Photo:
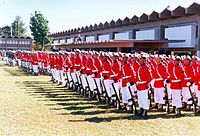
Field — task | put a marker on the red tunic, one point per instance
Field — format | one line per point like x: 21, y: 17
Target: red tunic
x: 159, y: 74
x: 143, y: 78
x: 126, y: 74
x: 176, y: 78
x: 188, y: 75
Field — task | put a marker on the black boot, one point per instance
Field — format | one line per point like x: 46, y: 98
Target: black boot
x: 198, y: 110
x: 173, y: 110
x: 140, y: 112
x: 144, y: 115
x: 178, y: 112
x: 124, y: 107
x: 184, y: 106
x: 160, y: 107
x: 155, y: 106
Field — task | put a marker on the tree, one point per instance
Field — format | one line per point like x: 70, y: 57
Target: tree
x: 5, y: 31
x: 18, y: 27
x: 39, y: 29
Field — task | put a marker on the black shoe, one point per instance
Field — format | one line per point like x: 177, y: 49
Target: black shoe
x: 124, y: 107
x: 144, y: 115
x: 178, y: 112
x: 155, y: 106
x: 140, y: 112
x: 184, y: 106
x: 173, y: 110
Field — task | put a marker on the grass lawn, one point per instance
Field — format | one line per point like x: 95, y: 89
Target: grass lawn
x: 31, y: 105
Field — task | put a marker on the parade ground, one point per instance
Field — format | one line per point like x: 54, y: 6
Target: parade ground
x: 32, y: 105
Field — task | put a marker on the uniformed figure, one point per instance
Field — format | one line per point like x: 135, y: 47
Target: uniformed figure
x: 143, y: 83
x: 176, y: 79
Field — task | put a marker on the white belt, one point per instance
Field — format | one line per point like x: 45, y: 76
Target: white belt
x: 94, y: 70
x: 126, y: 77
x: 105, y: 71
x: 187, y: 78
x: 141, y: 82
x: 158, y: 79
x: 88, y: 69
x: 176, y: 80
x: 77, y: 65
x: 113, y: 75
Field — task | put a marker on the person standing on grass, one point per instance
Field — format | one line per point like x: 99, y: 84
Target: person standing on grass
x: 143, y: 83
x: 176, y: 79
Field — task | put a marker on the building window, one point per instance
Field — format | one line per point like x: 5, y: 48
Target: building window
x: 145, y: 34
x: 122, y: 36
x: 187, y: 33
x: 89, y: 38
x: 104, y: 37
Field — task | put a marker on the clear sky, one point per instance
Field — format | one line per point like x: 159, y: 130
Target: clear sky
x: 68, y: 14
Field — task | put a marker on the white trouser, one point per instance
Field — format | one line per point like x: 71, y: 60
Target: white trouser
x: 78, y: 76
x: 117, y: 88
x: 186, y: 95
x: 53, y: 73
x: 35, y: 68
x: 30, y: 65
x: 19, y: 62
x: 14, y: 62
x: 74, y: 77
x: 108, y: 87
x: 125, y: 95
x: 40, y: 65
x: 143, y: 99
x: 98, y: 85
x: 169, y: 92
x: 60, y: 75
x: 83, y: 80
x: 176, y: 98
x: 198, y: 97
x: 69, y: 76
x: 57, y: 75
x: 91, y: 82
x: 159, y: 95
x: 26, y: 64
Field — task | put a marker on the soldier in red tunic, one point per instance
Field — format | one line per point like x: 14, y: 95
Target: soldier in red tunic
x: 159, y: 76
x: 143, y: 82
x: 188, y: 78
x: 176, y: 79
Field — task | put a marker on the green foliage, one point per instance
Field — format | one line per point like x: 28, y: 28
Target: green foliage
x: 5, y: 31
x: 18, y: 27
x: 39, y: 29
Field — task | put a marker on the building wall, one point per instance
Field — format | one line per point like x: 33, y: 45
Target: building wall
x: 15, y: 43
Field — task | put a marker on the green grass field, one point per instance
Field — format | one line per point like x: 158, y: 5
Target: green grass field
x: 31, y: 105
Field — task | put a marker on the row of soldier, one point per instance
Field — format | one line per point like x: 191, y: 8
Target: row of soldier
x: 131, y: 79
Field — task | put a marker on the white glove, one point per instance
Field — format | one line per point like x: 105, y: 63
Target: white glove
x: 188, y: 84
x: 128, y: 84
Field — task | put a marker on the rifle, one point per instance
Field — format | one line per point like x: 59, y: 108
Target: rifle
x: 133, y: 101
x: 97, y: 89
x: 107, y: 99
x: 117, y: 97
x: 149, y: 95
x: 167, y: 100
x: 193, y: 100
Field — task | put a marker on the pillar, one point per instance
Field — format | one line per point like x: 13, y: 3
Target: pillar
x: 96, y: 37
x: 132, y: 34
x: 160, y: 33
x: 84, y: 38
x: 198, y: 39
x: 112, y: 36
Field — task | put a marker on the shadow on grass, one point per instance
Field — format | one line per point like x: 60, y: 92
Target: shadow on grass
x: 79, y: 105
x: 16, y: 72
